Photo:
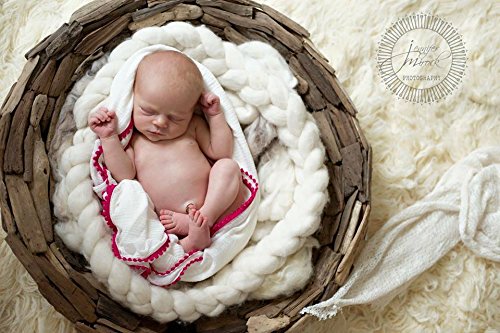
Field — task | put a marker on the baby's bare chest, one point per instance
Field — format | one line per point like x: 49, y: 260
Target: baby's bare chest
x: 169, y: 161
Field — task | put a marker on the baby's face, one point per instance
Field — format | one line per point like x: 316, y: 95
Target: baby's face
x: 162, y: 118
x: 166, y: 91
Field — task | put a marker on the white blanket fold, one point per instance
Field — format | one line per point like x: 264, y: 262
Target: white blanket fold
x: 139, y: 239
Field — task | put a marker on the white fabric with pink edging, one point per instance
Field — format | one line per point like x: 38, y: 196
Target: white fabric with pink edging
x: 138, y: 237
x: 293, y: 182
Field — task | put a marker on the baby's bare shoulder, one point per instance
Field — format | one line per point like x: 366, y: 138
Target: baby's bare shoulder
x: 198, y: 122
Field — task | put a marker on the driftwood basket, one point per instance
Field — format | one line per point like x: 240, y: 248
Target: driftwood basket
x: 28, y: 123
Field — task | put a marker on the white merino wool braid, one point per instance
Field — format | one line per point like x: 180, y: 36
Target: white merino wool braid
x: 259, y: 84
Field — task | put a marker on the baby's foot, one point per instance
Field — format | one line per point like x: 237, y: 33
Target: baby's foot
x: 175, y: 223
x: 199, y: 232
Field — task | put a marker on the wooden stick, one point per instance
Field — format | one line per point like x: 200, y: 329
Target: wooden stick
x: 39, y: 187
x: 280, y: 33
x: 18, y: 90
x: 43, y: 43
x: 83, y: 304
x: 55, y: 118
x: 330, y: 290
x: 4, y: 135
x: 76, y: 260
x: 351, y: 228
x: 346, y: 100
x: 180, y: 12
x: 145, y: 13
x: 234, y: 36
x: 7, y: 97
x: 271, y: 309
x: 326, y: 266
x: 113, y: 326
x: 353, y: 250
x: 241, y: 10
x: 97, y: 10
x: 329, y: 226
x: 50, y: 293
x: 318, y: 77
x: 77, y: 277
x: 241, y: 21
x: 85, y: 64
x: 222, y: 323
x: 342, y: 125
x: 263, y: 324
x: 326, y: 132
x: 28, y: 155
x: 365, y: 196
x: 63, y: 39
x: 284, y: 20
x: 14, y: 157
x: 62, y: 78
x: 335, y: 190
x: 25, y: 214
x: 47, y: 116
x: 307, y: 296
x: 41, y: 84
x: 210, y: 20
x: 301, y: 325
x: 352, y: 165
x: 37, y: 109
x: 313, y: 98
x: 84, y: 328
x: 101, y: 36
x: 321, y: 61
x: 8, y: 224
x: 346, y: 214
x: 109, y: 309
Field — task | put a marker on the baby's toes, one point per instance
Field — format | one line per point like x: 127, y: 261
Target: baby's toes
x: 203, y: 220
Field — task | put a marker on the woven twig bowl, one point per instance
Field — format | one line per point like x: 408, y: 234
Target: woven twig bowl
x: 28, y: 123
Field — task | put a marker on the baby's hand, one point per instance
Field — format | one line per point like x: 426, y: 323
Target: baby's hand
x: 210, y: 104
x: 103, y: 122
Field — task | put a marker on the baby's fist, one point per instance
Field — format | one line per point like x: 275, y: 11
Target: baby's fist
x: 210, y: 104
x: 103, y: 122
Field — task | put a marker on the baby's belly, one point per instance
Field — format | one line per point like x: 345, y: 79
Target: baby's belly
x: 174, y: 183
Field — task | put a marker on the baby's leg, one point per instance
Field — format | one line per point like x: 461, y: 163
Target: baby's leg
x: 223, y: 188
x: 198, y: 237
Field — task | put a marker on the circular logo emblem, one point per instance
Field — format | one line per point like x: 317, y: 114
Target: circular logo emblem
x: 421, y: 58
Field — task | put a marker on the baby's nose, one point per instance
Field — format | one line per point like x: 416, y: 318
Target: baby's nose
x: 161, y: 121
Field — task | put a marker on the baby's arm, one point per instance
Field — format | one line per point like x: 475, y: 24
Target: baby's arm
x: 216, y: 139
x: 118, y: 161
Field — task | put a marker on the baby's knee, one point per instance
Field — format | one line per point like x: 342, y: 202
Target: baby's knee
x: 227, y: 167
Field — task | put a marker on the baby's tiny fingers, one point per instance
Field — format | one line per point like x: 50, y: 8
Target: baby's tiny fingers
x: 100, y: 116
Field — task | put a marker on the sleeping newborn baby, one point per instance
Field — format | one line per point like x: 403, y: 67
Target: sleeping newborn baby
x: 182, y: 161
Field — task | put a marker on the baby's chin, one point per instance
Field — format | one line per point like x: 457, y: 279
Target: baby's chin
x: 159, y: 137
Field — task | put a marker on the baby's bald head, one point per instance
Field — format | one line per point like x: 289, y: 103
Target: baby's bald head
x: 169, y: 74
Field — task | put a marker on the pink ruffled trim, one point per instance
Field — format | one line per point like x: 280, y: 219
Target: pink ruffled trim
x: 146, y: 271
x: 178, y: 278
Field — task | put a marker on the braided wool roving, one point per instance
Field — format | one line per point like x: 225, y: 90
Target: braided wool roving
x: 292, y: 174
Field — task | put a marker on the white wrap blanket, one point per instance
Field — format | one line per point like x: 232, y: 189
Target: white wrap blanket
x: 464, y: 205
x: 139, y: 238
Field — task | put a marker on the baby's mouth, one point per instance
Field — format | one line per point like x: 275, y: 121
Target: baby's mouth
x: 155, y: 132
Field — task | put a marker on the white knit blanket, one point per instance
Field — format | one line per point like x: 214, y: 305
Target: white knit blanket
x: 292, y: 179
x: 464, y: 205
x: 139, y: 239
